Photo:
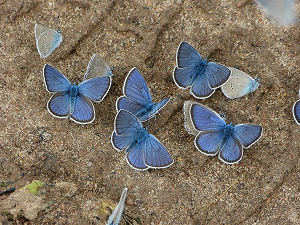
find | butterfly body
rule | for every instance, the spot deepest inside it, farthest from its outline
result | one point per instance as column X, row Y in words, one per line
column 214, row 136
column 193, row 72
column 137, row 98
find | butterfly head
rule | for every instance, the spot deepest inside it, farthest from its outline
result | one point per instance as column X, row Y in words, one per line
column 73, row 90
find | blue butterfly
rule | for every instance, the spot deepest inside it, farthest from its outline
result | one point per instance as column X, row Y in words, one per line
column 97, row 68
column 214, row 136
column 296, row 111
column 116, row 216
column 201, row 76
column 142, row 149
column 71, row 100
column 239, row 84
column 137, row 98
column 47, row 39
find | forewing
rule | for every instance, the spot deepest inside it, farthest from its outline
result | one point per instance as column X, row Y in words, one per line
column 54, row 80
column 296, row 112
column 135, row 157
column 200, row 88
column 116, row 215
column 183, row 76
column 216, row 74
column 208, row 142
column 187, row 55
column 158, row 106
column 95, row 88
column 136, row 88
column 239, row 84
column 58, row 104
column 128, row 104
column 247, row 134
column 156, row 155
column 47, row 40
column 204, row 118
column 84, row 111
column 232, row 151
column 121, row 142
column 97, row 68
column 127, row 124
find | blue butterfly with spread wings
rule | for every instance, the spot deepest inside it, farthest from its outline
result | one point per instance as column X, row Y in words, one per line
column 137, row 98
column 71, row 100
column 296, row 111
column 214, row 136
column 193, row 72
column 143, row 150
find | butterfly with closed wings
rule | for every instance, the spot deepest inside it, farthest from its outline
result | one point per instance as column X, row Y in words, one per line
column 137, row 98
column 97, row 68
column 71, row 100
column 193, row 72
column 47, row 39
column 214, row 136
column 116, row 216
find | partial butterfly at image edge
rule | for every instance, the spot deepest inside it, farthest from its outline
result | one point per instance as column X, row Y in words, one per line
column 296, row 112
column 116, row 215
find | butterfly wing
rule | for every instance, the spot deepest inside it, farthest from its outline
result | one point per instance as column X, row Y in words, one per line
column 136, row 88
column 129, row 105
column 296, row 112
column 116, row 215
column 84, row 111
column 247, row 134
column 47, row 39
column 200, row 88
column 183, row 76
column 156, row 155
column 282, row 10
column 135, row 157
column 95, row 88
column 127, row 124
column 158, row 106
column 239, row 84
column 208, row 142
column 58, row 104
column 121, row 142
column 54, row 80
column 202, row 118
column 232, row 151
column 97, row 68
column 216, row 74
column 187, row 55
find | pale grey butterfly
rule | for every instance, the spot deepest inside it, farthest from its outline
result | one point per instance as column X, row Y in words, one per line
column 47, row 39
column 116, row 215
column 282, row 10
column 239, row 84
column 97, row 68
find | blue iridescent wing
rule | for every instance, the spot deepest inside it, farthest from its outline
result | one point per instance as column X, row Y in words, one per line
column 200, row 88
column 47, row 39
column 135, row 157
column 54, row 80
column 84, row 111
column 58, row 104
column 183, row 76
column 296, row 112
column 129, row 105
column 247, row 134
column 187, row 55
column 203, row 118
column 209, row 142
column 216, row 74
column 232, row 151
column 158, row 106
column 127, row 124
column 97, row 68
column 136, row 88
column 116, row 216
column 121, row 142
column 95, row 88
column 156, row 155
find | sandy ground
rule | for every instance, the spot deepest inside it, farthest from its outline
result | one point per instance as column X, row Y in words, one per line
column 77, row 163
